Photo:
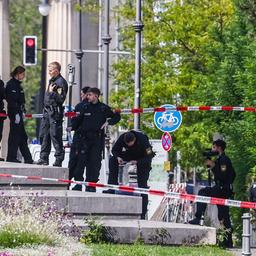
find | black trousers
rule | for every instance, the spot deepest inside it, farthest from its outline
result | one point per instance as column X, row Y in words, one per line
column 1, row 129
column 51, row 131
column 18, row 140
column 143, row 170
column 223, row 211
column 73, row 155
column 90, row 156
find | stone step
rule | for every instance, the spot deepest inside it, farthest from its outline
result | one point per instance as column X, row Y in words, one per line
column 156, row 232
column 83, row 204
column 32, row 170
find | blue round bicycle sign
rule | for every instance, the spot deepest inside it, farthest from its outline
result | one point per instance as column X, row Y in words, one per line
column 168, row 121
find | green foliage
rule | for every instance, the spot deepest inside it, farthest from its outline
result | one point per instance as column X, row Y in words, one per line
column 221, row 236
column 96, row 232
column 196, row 52
column 145, row 250
column 10, row 239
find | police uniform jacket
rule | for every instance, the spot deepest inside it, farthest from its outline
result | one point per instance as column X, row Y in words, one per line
column 78, row 109
column 224, row 173
column 92, row 117
column 15, row 97
column 141, row 150
column 57, row 97
column 2, row 95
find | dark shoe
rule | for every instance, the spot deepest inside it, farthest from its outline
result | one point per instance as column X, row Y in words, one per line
column 1, row 159
column 90, row 189
column 109, row 191
column 77, row 187
column 29, row 162
column 142, row 216
column 42, row 162
column 57, row 163
column 195, row 221
column 14, row 160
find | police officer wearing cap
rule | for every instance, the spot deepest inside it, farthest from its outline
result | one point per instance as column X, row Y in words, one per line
column 16, row 108
column 91, row 123
column 224, row 175
column 133, row 147
column 74, row 149
column 51, row 125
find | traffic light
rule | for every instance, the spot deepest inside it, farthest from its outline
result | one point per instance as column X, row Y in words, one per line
column 29, row 50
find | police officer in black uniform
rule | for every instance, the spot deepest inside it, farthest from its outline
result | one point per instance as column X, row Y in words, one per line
column 2, row 110
column 74, row 149
column 51, row 125
column 16, row 107
column 133, row 147
column 90, row 124
column 224, row 176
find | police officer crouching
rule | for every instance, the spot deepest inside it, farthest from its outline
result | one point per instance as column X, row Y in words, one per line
column 224, row 176
column 133, row 147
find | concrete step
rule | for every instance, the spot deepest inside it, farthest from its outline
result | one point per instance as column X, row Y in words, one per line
column 156, row 232
column 83, row 204
column 32, row 170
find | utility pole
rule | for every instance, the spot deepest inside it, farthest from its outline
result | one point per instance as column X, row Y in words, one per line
column 106, row 38
column 138, row 27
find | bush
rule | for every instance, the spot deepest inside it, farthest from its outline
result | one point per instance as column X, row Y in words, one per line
column 27, row 221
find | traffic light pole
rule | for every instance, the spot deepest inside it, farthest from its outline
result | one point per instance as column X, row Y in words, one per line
column 43, row 73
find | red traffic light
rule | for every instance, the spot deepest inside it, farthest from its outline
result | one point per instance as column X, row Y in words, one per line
column 30, row 42
column 29, row 50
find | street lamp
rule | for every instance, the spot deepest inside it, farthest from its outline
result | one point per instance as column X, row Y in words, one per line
column 44, row 9
column 106, row 38
column 79, row 53
column 138, row 27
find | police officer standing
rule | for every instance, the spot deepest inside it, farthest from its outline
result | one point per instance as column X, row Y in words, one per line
column 224, row 176
column 91, row 123
column 51, row 125
column 133, row 147
column 2, row 111
column 16, row 107
column 74, row 149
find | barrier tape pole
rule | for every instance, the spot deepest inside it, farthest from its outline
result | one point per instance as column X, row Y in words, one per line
column 173, row 195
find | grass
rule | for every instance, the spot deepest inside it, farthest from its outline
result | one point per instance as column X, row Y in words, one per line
column 148, row 250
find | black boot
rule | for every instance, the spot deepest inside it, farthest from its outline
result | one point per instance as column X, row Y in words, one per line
column 77, row 187
column 90, row 189
column 195, row 221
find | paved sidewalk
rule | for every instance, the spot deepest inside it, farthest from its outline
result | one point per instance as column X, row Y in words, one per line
column 238, row 251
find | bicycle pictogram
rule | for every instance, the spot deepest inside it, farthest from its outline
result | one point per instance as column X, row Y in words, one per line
column 167, row 118
column 168, row 121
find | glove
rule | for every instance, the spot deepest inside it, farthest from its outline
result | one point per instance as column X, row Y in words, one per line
column 17, row 119
column 104, row 125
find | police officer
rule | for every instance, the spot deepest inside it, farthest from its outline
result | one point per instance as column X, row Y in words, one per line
column 51, row 125
column 16, row 107
column 224, row 176
column 91, row 123
column 74, row 149
column 2, row 110
column 133, row 147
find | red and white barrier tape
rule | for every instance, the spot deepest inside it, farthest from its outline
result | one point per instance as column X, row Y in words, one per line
column 175, row 195
column 158, row 109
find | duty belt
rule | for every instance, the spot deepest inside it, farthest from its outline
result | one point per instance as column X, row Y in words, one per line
column 91, row 134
